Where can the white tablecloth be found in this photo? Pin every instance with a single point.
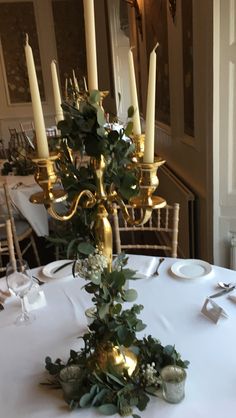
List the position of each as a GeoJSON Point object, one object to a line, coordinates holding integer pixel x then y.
{"type": "Point", "coordinates": [172, 313]}
{"type": "Point", "coordinates": [21, 188]}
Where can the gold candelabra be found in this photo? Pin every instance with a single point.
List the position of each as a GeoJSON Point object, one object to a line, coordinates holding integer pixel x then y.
{"type": "Point", "coordinates": [47, 179]}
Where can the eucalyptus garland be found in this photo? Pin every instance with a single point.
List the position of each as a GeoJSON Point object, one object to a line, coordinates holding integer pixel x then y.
{"type": "Point", "coordinates": [103, 383]}
{"type": "Point", "coordinates": [84, 133]}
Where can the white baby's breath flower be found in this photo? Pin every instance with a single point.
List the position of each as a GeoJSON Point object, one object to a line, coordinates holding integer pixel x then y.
{"type": "Point", "coordinates": [149, 374]}
{"type": "Point", "coordinates": [92, 266]}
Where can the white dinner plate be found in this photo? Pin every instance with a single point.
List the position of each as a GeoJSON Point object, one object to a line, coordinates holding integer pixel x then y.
{"type": "Point", "coordinates": [49, 270]}
{"type": "Point", "coordinates": [191, 269]}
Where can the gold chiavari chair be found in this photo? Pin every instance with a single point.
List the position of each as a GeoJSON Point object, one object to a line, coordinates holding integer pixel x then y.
{"type": "Point", "coordinates": [21, 230]}
{"type": "Point", "coordinates": [160, 233]}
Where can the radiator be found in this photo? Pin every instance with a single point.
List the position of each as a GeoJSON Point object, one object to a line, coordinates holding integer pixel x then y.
{"type": "Point", "coordinates": [174, 190]}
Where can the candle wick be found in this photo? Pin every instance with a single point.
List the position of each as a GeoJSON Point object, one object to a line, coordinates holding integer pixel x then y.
{"type": "Point", "coordinates": [156, 46]}
{"type": "Point", "coordinates": [132, 47]}
{"type": "Point", "coordinates": [26, 38]}
{"type": "Point", "coordinates": [55, 61]}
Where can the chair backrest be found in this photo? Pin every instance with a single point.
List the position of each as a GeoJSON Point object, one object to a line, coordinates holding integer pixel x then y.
{"type": "Point", "coordinates": [3, 246]}
{"type": "Point", "coordinates": [28, 132]}
{"type": "Point", "coordinates": [3, 151]}
{"type": "Point", "coordinates": [26, 126]}
{"type": "Point", "coordinates": [21, 231]}
{"type": "Point", "coordinates": [13, 132]}
{"type": "Point", "coordinates": [6, 244]}
{"type": "Point", "coordinates": [13, 142]}
{"type": "Point", "coordinates": [160, 233]}
{"type": "Point", "coordinates": [12, 221]}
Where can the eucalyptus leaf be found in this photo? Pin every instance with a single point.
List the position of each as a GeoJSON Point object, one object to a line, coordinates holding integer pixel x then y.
{"type": "Point", "coordinates": [99, 397]}
{"type": "Point", "coordinates": [169, 350]}
{"type": "Point", "coordinates": [100, 117]}
{"type": "Point", "coordinates": [94, 390]}
{"type": "Point", "coordinates": [129, 274]}
{"type": "Point", "coordinates": [125, 336]}
{"type": "Point", "coordinates": [116, 309]}
{"type": "Point", "coordinates": [143, 401]}
{"type": "Point", "coordinates": [85, 400]}
{"type": "Point", "coordinates": [130, 111]}
{"type": "Point", "coordinates": [140, 326]}
{"type": "Point", "coordinates": [86, 248]}
{"type": "Point", "coordinates": [94, 97]}
{"type": "Point", "coordinates": [130, 295]}
{"type": "Point", "coordinates": [116, 379]}
{"type": "Point", "coordinates": [70, 247]}
{"type": "Point", "coordinates": [103, 311]}
{"type": "Point", "coordinates": [96, 279]}
{"type": "Point", "coordinates": [108, 409]}
{"type": "Point", "coordinates": [100, 131]}
{"type": "Point", "coordinates": [129, 128]}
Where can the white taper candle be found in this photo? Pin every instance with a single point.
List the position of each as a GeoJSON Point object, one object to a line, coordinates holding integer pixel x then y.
{"type": "Point", "coordinates": [134, 96]}
{"type": "Point", "coordinates": [56, 93]}
{"type": "Point", "coordinates": [148, 156]}
{"type": "Point", "coordinates": [40, 131]}
{"type": "Point", "coordinates": [90, 36]}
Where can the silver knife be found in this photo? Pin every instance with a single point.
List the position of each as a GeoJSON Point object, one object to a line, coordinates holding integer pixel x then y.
{"type": "Point", "coordinates": [222, 292]}
{"type": "Point", "coordinates": [62, 266]}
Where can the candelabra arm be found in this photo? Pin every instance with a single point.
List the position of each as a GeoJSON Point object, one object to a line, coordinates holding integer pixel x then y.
{"type": "Point", "coordinates": [146, 213]}
{"type": "Point", "coordinates": [89, 203]}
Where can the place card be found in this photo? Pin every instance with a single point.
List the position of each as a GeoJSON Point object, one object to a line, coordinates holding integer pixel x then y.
{"type": "Point", "coordinates": [212, 310]}
{"type": "Point", "coordinates": [232, 298]}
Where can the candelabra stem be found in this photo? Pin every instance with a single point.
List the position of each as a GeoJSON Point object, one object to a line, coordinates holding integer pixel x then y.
{"type": "Point", "coordinates": [99, 166]}
{"type": "Point", "coordinates": [103, 233]}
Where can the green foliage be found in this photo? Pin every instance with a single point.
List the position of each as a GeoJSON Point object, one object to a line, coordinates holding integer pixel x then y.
{"type": "Point", "coordinates": [109, 389]}
{"type": "Point", "coordinates": [84, 132]}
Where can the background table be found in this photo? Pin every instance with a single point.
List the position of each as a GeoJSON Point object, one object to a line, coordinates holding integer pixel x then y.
{"type": "Point", "coordinates": [172, 313]}
{"type": "Point", "coordinates": [21, 188]}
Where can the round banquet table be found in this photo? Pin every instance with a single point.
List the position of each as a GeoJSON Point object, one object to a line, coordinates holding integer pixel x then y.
{"type": "Point", "coordinates": [20, 190]}
{"type": "Point", "coordinates": [172, 312]}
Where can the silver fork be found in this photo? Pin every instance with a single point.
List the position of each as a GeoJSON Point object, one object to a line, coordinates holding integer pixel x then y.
{"type": "Point", "coordinates": [158, 265]}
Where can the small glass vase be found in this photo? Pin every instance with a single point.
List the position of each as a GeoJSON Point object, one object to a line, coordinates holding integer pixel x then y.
{"type": "Point", "coordinates": [173, 383]}
{"type": "Point", "coordinates": [70, 380]}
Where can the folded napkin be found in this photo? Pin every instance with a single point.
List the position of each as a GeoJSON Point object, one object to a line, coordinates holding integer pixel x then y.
{"type": "Point", "coordinates": [35, 298]}
{"type": "Point", "coordinates": [145, 267]}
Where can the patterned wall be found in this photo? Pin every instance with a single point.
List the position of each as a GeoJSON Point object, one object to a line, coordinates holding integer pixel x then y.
{"type": "Point", "coordinates": [16, 19]}
{"type": "Point", "coordinates": [70, 38]}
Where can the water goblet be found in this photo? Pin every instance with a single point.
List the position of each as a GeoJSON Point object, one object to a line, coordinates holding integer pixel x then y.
{"type": "Point", "coordinates": [19, 281]}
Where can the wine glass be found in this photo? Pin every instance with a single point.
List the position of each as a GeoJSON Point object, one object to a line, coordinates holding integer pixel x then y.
{"type": "Point", "coordinates": [20, 281]}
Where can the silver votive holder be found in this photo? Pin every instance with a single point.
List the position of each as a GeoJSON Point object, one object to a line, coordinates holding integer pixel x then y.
{"type": "Point", "coordinates": [70, 380]}
{"type": "Point", "coordinates": [173, 383]}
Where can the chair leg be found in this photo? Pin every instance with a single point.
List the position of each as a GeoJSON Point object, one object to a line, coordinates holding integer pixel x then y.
{"type": "Point", "coordinates": [35, 250]}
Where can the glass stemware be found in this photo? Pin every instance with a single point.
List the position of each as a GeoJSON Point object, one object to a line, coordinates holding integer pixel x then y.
{"type": "Point", "coordinates": [20, 281]}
